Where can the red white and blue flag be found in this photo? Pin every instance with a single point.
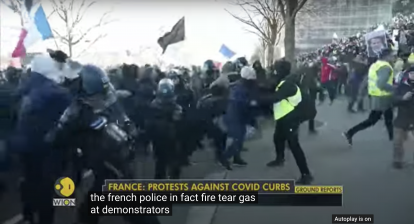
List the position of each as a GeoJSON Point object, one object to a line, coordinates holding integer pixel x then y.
{"type": "Point", "coordinates": [35, 27]}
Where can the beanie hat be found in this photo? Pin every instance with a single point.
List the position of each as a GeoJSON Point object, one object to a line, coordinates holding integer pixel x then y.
{"type": "Point", "coordinates": [248, 73]}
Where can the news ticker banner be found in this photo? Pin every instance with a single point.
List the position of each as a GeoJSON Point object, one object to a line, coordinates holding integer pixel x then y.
{"type": "Point", "coordinates": [259, 186]}
{"type": "Point", "coordinates": [150, 197]}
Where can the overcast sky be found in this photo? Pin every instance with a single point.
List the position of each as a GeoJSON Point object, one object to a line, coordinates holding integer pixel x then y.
{"type": "Point", "coordinates": [140, 23]}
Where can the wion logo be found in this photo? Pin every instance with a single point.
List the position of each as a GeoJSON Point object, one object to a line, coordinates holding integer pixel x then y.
{"type": "Point", "coordinates": [64, 187]}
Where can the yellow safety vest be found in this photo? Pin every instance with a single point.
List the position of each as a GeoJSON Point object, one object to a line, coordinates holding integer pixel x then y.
{"type": "Point", "coordinates": [286, 106]}
{"type": "Point", "coordinates": [373, 90]}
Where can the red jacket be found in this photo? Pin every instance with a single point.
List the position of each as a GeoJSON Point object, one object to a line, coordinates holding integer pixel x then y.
{"type": "Point", "coordinates": [327, 71]}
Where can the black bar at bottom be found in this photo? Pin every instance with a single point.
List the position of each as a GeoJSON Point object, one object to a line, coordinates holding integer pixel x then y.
{"type": "Point", "coordinates": [300, 200]}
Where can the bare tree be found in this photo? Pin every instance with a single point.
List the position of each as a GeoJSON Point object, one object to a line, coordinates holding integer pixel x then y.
{"type": "Point", "coordinates": [16, 7]}
{"type": "Point", "coordinates": [264, 20]}
{"type": "Point", "coordinates": [289, 9]}
{"type": "Point", "coordinates": [259, 52]}
{"type": "Point", "coordinates": [72, 16]}
{"type": "Point", "coordinates": [256, 54]}
{"type": "Point", "coordinates": [263, 46]}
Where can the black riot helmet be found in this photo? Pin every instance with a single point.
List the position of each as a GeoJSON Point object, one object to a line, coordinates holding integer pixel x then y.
{"type": "Point", "coordinates": [241, 62]}
{"type": "Point", "coordinates": [12, 75]}
{"type": "Point", "coordinates": [166, 89]}
{"type": "Point", "coordinates": [94, 81]}
{"type": "Point", "coordinates": [209, 66]}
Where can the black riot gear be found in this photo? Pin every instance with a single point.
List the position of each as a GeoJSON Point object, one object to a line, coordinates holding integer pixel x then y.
{"type": "Point", "coordinates": [96, 123]}
{"type": "Point", "coordinates": [241, 62]}
{"type": "Point", "coordinates": [163, 129]}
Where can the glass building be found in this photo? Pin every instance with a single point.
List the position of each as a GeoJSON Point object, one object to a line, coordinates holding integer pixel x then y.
{"type": "Point", "coordinates": [320, 19]}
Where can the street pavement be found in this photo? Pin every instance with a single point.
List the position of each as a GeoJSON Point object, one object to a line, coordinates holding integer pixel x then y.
{"type": "Point", "coordinates": [371, 186]}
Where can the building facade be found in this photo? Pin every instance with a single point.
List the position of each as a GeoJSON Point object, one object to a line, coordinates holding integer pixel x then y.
{"type": "Point", "coordinates": [320, 19]}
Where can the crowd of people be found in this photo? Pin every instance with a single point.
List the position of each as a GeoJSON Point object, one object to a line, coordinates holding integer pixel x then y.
{"type": "Point", "coordinates": [130, 111]}
{"type": "Point", "coordinates": [59, 117]}
{"type": "Point", "coordinates": [386, 78]}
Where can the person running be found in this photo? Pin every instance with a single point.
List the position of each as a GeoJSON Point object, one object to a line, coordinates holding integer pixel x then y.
{"type": "Point", "coordinates": [380, 88]}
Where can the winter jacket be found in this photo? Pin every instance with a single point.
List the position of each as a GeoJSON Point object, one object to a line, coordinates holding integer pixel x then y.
{"type": "Point", "coordinates": [310, 80]}
{"type": "Point", "coordinates": [404, 118]}
{"type": "Point", "coordinates": [239, 112]}
{"type": "Point", "coordinates": [286, 90]}
{"type": "Point", "coordinates": [8, 106]}
{"type": "Point", "coordinates": [327, 71]}
{"type": "Point", "coordinates": [43, 101]}
{"type": "Point", "coordinates": [260, 72]}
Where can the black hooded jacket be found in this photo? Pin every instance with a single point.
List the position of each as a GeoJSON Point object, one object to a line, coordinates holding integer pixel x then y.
{"type": "Point", "coordinates": [404, 119]}
{"type": "Point", "coordinates": [287, 89]}
{"type": "Point", "coordinates": [260, 72]}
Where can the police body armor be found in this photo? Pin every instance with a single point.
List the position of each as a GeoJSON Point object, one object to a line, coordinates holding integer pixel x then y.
{"type": "Point", "coordinates": [212, 108]}
{"type": "Point", "coordinates": [104, 137]}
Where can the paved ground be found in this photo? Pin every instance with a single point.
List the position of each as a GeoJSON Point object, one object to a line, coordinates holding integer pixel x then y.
{"type": "Point", "coordinates": [371, 186]}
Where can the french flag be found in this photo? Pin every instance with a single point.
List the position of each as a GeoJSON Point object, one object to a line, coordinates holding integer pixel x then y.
{"type": "Point", "coordinates": [35, 27]}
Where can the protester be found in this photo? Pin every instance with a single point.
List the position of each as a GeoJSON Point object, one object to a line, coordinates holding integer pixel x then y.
{"type": "Point", "coordinates": [328, 79]}
{"type": "Point", "coordinates": [380, 88]}
{"type": "Point", "coordinates": [399, 65]}
{"type": "Point", "coordinates": [238, 115]}
{"type": "Point", "coordinates": [43, 101]}
{"type": "Point", "coordinates": [261, 73]}
{"type": "Point", "coordinates": [222, 83]}
{"type": "Point", "coordinates": [359, 72]}
{"type": "Point", "coordinates": [342, 77]}
{"type": "Point", "coordinates": [404, 121]}
{"type": "Point", "coordinates": [288, 118]}
{"type": "Point", "coordinates": [311, 85]}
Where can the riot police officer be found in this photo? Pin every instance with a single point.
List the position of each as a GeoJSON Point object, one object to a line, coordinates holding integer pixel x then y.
{"type": "Point", "coordinates": [96, 123]}
{"type": "Point", "coordinates": [239, 64]}
{"type": "Point", "coordinates": [186, 99]}
{"type": "Point", "coordinates": [162, 127]}
{"type": "Point", "coordinates": [210, 73]}
{"type": "Point", "coordinates": [211, 109]}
